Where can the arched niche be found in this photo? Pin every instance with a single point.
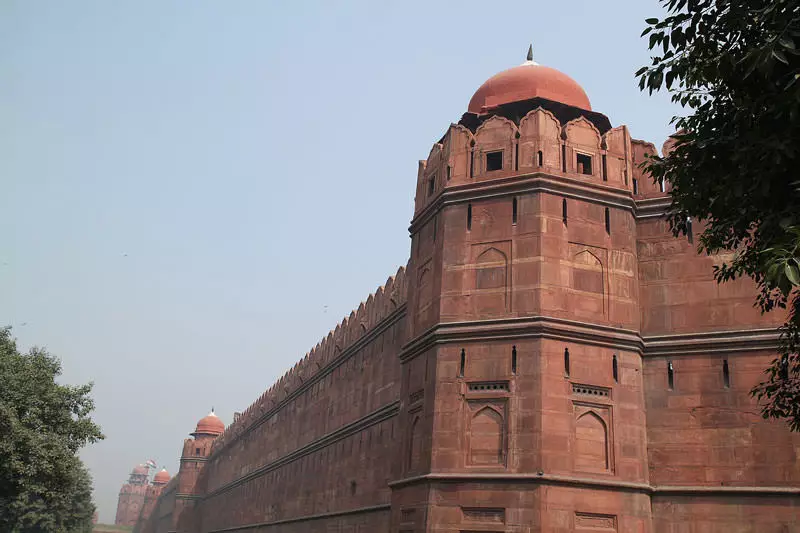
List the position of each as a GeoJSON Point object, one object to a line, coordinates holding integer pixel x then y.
{"type": "Point", "coordinates": [457, 149]}
{"type": "Point", "coordinates": [583, 151]}
{"type": "Point", "coordinates": [487, 436]}
{"type": "Point", "coordinates": [591, 452]}
{"type": "Point", "coordinates": [587, 273]}
{"type": "Point", "coordinates": [617, 142]}
{"type": "Point", "coordinates": [491, 269]}
{"type": "Point", "coordinates": [415, 445]}
{"type": "Point", "coordinates": [540, 141]}
{"type": "Point", "coordinates": [496, 134]}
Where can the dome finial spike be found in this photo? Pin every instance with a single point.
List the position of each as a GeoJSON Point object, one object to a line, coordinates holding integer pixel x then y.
{"type": "Point", "coordinates": [530, 52]}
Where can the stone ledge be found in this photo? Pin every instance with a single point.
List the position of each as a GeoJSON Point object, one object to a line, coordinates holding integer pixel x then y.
{"type": "Point", "coordinates": [524, 327]}
{"type": "Point", "coordinates": [714, 341]}
{"type": "Point", "coordinates": [527, 183]}
{"type": "Point", "coordinates": [550, 479]}
{"type": "Point", "coordinates": [332, 514]}
{"type": "Point", "coordinates": [595, 334]}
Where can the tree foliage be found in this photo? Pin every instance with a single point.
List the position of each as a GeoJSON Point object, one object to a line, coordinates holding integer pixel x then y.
{"type": "Point", "coordinates": [44, 486]}
{"type": "Point", "coordinates": [734, 66]}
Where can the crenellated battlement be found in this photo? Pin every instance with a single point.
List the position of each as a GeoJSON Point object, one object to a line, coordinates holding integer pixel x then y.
{"type": "Point", "coordinates": [502, 145]}
{"type": "Point", "coordinates": [378, 306]}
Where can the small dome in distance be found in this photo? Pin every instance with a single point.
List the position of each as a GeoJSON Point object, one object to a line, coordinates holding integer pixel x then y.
{"type": "Point", "coordinates": [140, 470]}
{"type": "Point", "coordinates": [209, 425]}
{"type": "Point", "coordinates": [162, 478]}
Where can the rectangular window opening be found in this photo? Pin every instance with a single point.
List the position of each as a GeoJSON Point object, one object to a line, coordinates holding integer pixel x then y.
{"type": "Point", "coordinates": [514, 211]}
{"type": "Point", "coordinates": [608, 221]}
{"type": "Point", "coordinates": [469, 217]}
{"type": "Point", "coordinates": [689, 230]}
{"type": "Point", "coordinates": [566, 362]}
{"type": "Point", "coordinates": [463, 363]}
{"type": "Point", "coordinates": [516, 157]}
{"type": "Point", "coordinates": [513, 359]}
{"type": "Point", "coordinates": [605, 168]}
{"type": "Point", "coordinates": [564, 210]}
{"type": "Point", "coordinates": [635, 186]}
{"type": "Point", "coordinates": [539, 158]}
{"type": "Point", "coordinates": [472, 163]}
{"type": "Point", "coordinates": [448, 172]}
{"type": "Point", "coordinates": [783, 368]}
{"type": "Point", "coordinates": [584, 164]}
{"type": "Point", "coordinates": [615, 368]}
{"type": "Point", "coordinates": [431, 185]}
{"type": "Point", "coordinates": [726, 374]}
{"type": "Point", "coordinates": [494, 161]}
{"type": "Point", "coordinates": [670, 375]}
{"type": "Point", "coordinates": [563, 158]}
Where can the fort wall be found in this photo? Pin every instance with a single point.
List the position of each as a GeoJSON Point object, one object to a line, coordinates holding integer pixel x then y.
{"type": "Point", "coordinates": [319, 444]}
{"type": "Point", "coordinates": [552, 359]}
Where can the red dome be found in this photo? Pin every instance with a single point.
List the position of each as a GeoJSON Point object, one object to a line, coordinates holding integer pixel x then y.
{"type": "Point", "coordinates": [209, 425]}
{"type": "Point", "coordinates": [161, 477]}
{"type": "Point", "coordinates": [529, 80]}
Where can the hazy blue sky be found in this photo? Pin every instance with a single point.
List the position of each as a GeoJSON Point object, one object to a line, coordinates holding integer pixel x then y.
{"type": "Point", "coordinates": [196, 192]}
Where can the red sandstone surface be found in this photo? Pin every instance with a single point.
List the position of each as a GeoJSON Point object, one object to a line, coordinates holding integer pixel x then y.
{"type": "Point", "coordinates": [551, 359]}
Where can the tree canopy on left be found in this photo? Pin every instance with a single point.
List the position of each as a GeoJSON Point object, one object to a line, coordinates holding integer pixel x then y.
{"type": "Point", "coordinates": [44, 486]}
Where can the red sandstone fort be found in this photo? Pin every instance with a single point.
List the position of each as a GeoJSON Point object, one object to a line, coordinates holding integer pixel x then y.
{"type": "Point", "coordinates": [552, 360]}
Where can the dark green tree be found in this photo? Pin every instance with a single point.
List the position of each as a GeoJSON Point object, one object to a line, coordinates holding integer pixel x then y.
{"type": "Point", "coordinates": [734, 66]}
{"type": "Point", "coordinates": [44, 486]}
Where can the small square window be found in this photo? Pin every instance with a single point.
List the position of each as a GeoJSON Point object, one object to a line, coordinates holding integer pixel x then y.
{"type": "Point", "coordinates": [494, 161]}
{"type": "Point", "coordinates": [584, 164]}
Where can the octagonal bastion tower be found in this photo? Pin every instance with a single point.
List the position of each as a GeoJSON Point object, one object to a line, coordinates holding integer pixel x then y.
{"type": "Point", "coordinates": [551, 360]}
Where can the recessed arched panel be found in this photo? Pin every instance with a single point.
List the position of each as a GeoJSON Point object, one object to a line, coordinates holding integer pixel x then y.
{"type": "Point", "coordinates": [588, 284]}
{"type": "Point", "coordinates": [491, 268]}
{"type": "Point", "coordinates": [540, 141]}
{"type": "Point", "coordinates": [424, 296]}
{"type": "Point", "coordinates": [415, 445]}
{"type": "Point", "coordinates": [587, 274]}
{"type": "Point", "coordinates": [486, 437]}
{"type": "Point", "coordinates": [591, 443]}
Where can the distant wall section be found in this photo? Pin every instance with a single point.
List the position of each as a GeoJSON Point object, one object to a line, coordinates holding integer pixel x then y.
{"type": "Point", "coordinates": [314, 452]}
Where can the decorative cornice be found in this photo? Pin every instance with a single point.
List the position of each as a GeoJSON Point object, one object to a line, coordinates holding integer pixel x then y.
{"type": "Point", "coordinates": [725, 490]}
{"type": "Point", "coordinates": [384, 413]}
{"type": "Point", "coordinates": [346, 354]}
{"type": "Point", "coordinates": [604, 484]}
{"type": "Point", "coordinates": [346, 512]}
{"type": "Point", "coordinates": [589, 333]}
{"type": "Point", "coordinates": [508, 477]}
{"type": "Point", "coordinates": [526, 183]}
{"type": "Point", "coordinates": [652, 207]}
{"type": "Point", "coordinates": [711, 342]}
{"type": "Point", "coordinates": [524, 327]}
{"type": "Point", "coordinates": [187, 459]}
{"type": "Point", "coordinates": [187, 496]}
{"type": "Point", "coordinates": [538, 181]}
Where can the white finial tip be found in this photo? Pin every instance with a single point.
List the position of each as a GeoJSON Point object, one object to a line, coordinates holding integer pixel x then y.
{"type": "Point", "coordinates": [529, 60]}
